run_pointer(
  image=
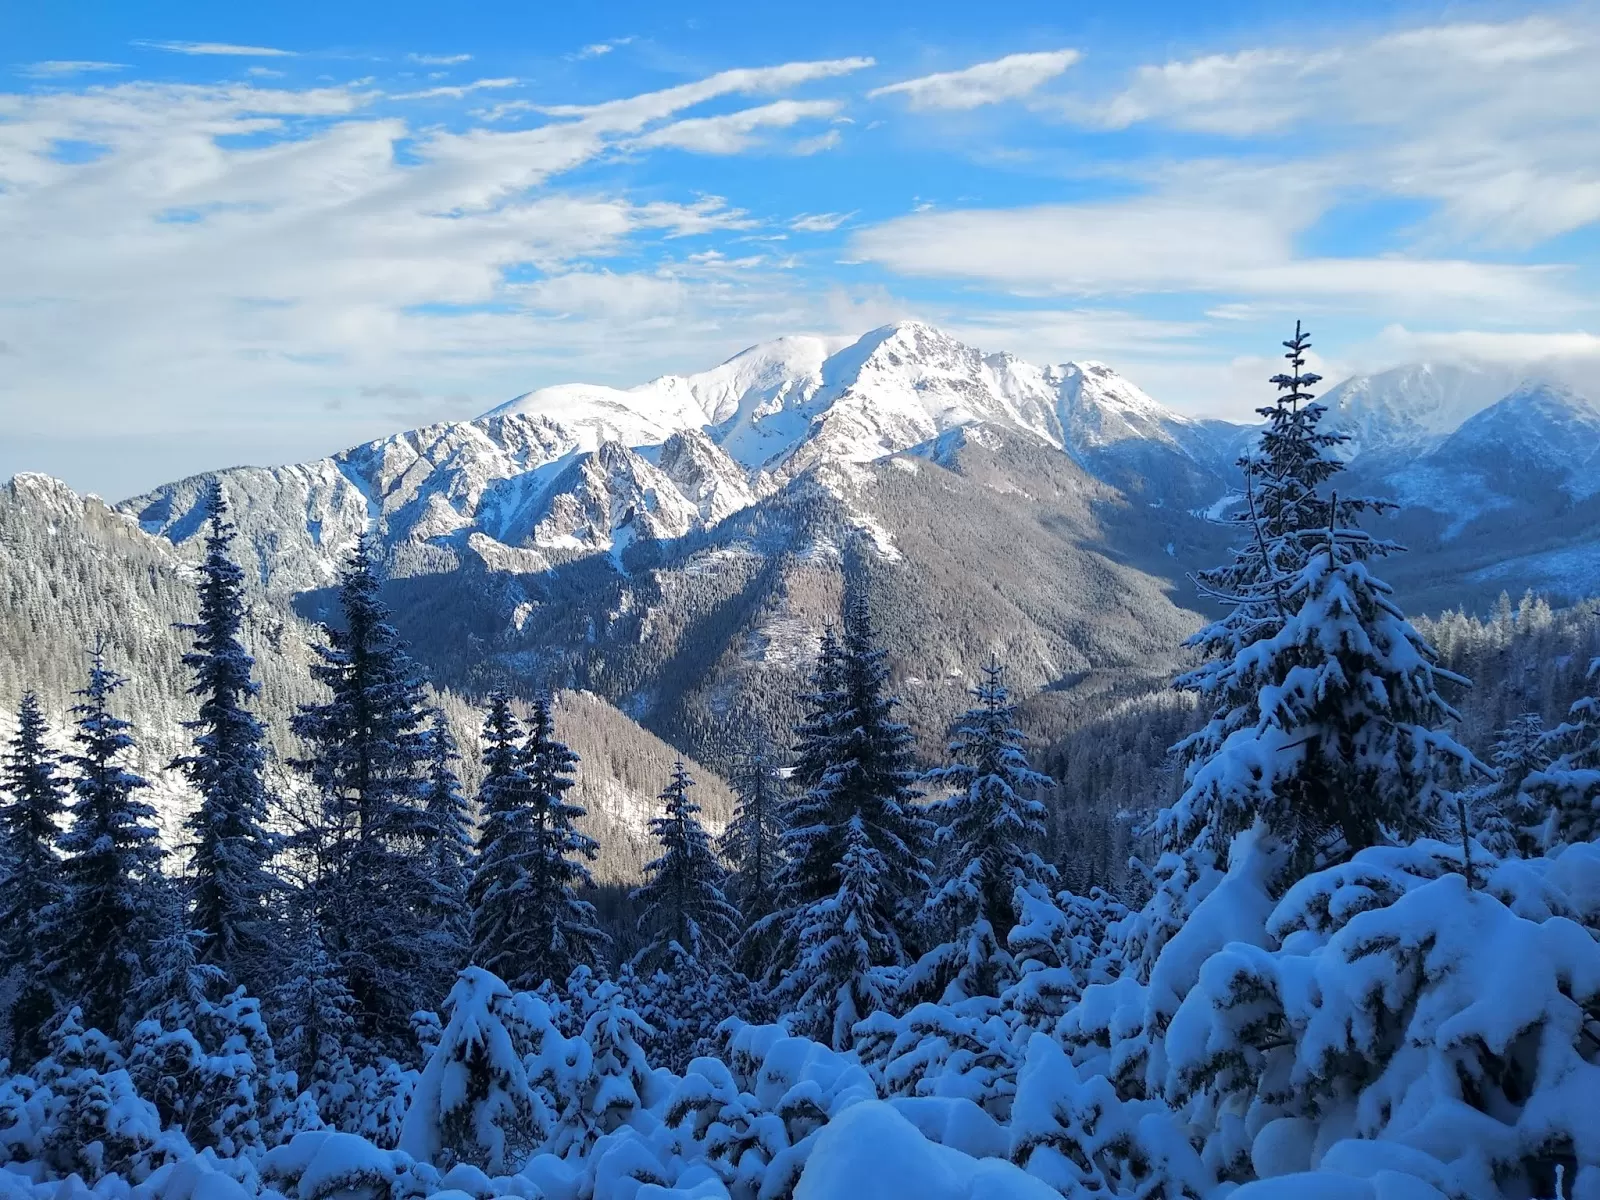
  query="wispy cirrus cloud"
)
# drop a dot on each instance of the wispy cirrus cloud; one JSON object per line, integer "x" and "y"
{"x": 224, "y": 49}
{"x": 819, "y": 222}
{"x": 302, "y": 258}
{"x": 597, "y": 49}
{"x": 1186, "y": 243}
{"x": 57, "y": 68}
{"x": 1491, "y": 346}
{"x": 1008, "y": 78}
{"x": 439, "y": 60}
{"x": 456, "y": 91}
{"x": 731, "y": 133}
{"x": 635, "y": 112}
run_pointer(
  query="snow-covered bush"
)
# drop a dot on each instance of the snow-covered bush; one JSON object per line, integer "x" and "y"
{"x": 1060, "y": 949}
{"x": 85, "y": 1117}
{"x": 1078, "y": 1135}
{"x": 215, "y": 1077}
{"x": 937, "y": 1051}
{"x": 473, "y": 1102}
{"x": 1442, "y": 1020}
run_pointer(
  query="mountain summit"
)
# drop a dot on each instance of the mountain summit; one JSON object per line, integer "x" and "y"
{"x": 582, "y": 468}
{"x": 786, "y": 404}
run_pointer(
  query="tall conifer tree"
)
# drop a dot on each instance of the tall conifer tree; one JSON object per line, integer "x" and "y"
{"x": 752, "y": 846}
{"x": 445, "y": 830}
{"x": 1565, "y": 793}
{"x": 114, "y": 907}
{"x": 530, "y": 924}
{"x": 684, "y": 906}
{"x": 33, "y": 792}
{"x": 1286, "y": 511}
{"x": 1329, "y": 726}
{"x": 367, "y": 752}
{"x": 231, "y": 886}
{"x": 506, "y": 841}
{"x": 864, "y": 800}
{"x": 989, "y": 832}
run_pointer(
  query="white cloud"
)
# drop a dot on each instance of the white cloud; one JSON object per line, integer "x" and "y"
{"x": 608, "y": 296}
{"x": 1492, "y": 122}
{"x": 56, "y": 68}
{"x": 1051, "y": 334}
{"x": 1181, "y": 243}
{"x": 598, "y": 48}
{"x": 816, "y": 145}
{"x": 635, "y": 112}
{"x": 439, "y": 60}
{"x": 1512, "y": 348}
{"x": 733, "y": 132}
{"x": 1006, "y": 78}
{"x": 217, "y": 48}
{"x": 263, "y": 73}
{"x": 819, "y": 222}
{"x": 456, "y": 91}
{"x": 1571, "y": 356}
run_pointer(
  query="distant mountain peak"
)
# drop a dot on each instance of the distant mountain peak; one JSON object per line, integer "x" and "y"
{"x": 1412, "y": 407}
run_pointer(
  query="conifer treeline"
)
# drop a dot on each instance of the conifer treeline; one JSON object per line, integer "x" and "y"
{"x": 349, "y": 905}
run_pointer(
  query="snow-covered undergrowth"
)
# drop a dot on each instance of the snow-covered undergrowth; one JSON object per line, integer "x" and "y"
{"x": 1381, "y": 1030}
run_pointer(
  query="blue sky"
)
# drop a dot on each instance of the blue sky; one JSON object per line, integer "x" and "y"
{"x": 261, "y": 233}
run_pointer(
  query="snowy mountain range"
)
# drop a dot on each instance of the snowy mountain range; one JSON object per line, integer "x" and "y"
{"x": 673, "y": 547}
{"x": 578, "y": 468}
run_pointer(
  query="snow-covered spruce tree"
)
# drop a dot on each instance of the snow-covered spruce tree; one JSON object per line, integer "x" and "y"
{"x": 683, "y": 902}
{"x": 1446, "y": 1031}
{"x": 817, "y": 729}
{"x": 445, "y": 827}
{"x": 1324, "y": 698}
{"x": 100, "y": 933}
{"x": 314, "y": 1009}
{"x": 1284, "y": 473}
{"x": 32, "y": 799}
{"x": 529, "y": 924}
{"x": 1061, "y": 945}
{"x": 1073, "y": 1131}
{"x": 605, "y": 1078}
{"x": 989, "y": 831}
{"x": 474, "y": 1103}
{"x": 202, "y": 1054}
{"x": 849, "y": 949}
{"x": 1567, "y": 791}
{"x": 770, "y": 942}
{"x": 100, "y": 1125}
{"x": 1503, "y": 817}
{"x": 865, "y": 798}
{"x": 752, "y": 847}
{"x": 179, "y": 980}
{"x": 506, "y": 842}
{"x": 1345, "y": 747}
{"x": 229, "y": 883}
{"x": 366, "y": 757}
{"x": 684, "y": 1001}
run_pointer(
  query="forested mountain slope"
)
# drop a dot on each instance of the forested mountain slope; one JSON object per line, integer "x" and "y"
{"x": 73, "y": 572}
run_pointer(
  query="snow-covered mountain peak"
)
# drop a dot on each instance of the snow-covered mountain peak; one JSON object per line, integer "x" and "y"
{"x": 1101, "y": 407}
{"x": 1412, "y": 407}
{"x": 1540, "y": 423}
{"x": 786, "y": 404}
